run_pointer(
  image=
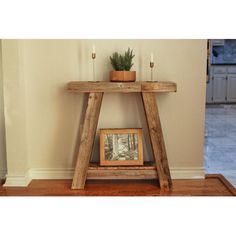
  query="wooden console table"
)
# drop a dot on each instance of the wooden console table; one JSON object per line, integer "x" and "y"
{"x": 89, "y": 127}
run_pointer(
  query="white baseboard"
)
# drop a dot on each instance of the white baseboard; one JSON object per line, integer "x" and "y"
{"x": 17, "y": 180}
{"x": 51, "y": 173}
{"x": 187, "y": 173}
{"x": 67, "y": 173}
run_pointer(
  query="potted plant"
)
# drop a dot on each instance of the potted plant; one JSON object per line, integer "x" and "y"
{"x": 122, "y": 65}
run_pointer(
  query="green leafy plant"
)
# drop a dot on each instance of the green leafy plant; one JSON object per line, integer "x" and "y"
{"x": 122, "y": 62}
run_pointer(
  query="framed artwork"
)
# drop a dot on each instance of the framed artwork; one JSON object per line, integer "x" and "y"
{"x": 121, "y": 147}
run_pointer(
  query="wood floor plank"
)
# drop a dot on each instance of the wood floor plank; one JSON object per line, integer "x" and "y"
{"x": 211, "y": 186}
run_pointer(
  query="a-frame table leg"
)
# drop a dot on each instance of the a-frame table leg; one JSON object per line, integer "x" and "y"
{"x": 87, "y": 139}
{"x": 157, "y": 140}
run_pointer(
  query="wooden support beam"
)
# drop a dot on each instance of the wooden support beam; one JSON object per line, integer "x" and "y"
{"x": 87, "y": 139}
{"x": 157, "y": 140}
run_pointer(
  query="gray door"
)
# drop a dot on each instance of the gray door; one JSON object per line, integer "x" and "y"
{"x": 231, "y": 88}
{"x": 219, "y": 88}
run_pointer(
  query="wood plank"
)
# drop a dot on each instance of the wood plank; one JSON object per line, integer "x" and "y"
{"x": 157, "y": 140}
{"x": 145, "y": 166}
{"x": 126, "y": 87}
{"x": 187, "y": 187}
{"x": 121, "y": 174}
{"x": 87, "y": 139}
{"x": 164, "y": 86}
{"x": 108, "y": 87}
{"x": 147, "y": 171}
{"x": 229, "y": 186}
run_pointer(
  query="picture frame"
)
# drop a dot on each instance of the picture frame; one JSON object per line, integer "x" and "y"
{"x": 121, "y": 147}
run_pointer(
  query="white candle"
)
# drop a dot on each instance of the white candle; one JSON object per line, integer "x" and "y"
{"x": 94, "y": 49}
{"x": 151, "y": 57}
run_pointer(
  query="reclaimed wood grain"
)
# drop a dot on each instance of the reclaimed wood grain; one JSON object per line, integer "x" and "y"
{"x": 126, "y": 87}
{"x": 162, "y": 86}
{"x": 147, "y": 171}
{"x": 157, "y": 140}
{"x": 87, "y": 139}
{"x": 121, "y": 174}
{"x": 108, "y": 87}
{"x": 146, "y": 166}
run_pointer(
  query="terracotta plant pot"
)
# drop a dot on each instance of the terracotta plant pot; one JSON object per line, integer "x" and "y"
{"x": 122, "y": 76}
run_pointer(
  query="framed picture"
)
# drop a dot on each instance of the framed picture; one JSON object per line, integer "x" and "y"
{"x": 121, "y": 147}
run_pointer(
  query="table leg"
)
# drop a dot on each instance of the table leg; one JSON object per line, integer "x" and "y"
{"x": 87, "y": 139}
{"x": 157, "y": 140}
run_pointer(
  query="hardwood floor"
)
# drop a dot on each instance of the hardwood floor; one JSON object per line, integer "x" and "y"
{"x": 213, "y": 185}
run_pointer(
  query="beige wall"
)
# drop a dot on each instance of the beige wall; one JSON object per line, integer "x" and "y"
{"x": 14, "y": 109}
{"x": 50, "y": 115}
{"x": 3, "y": 166}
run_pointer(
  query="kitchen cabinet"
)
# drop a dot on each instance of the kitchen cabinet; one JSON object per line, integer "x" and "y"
{"x": 231, "y": 88}
{"x": 221, "y": 87}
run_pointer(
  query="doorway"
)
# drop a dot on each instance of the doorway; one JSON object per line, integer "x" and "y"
{"x": 220, "y": 119}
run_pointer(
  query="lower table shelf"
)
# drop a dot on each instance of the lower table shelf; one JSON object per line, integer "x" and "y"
{"x": 147, "y": 171}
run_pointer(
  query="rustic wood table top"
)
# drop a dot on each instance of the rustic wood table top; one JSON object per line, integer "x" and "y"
{"x": 125, "y": 87}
